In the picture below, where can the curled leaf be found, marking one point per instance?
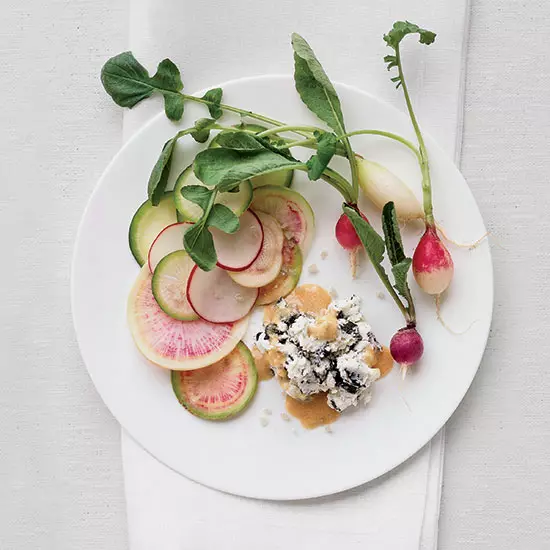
(201, 131)
(158, 180)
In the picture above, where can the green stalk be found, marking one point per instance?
(242, 112)
(423, 159)
(388, 135)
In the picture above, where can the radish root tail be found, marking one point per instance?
(471, 246)
(404, 371)
(444, 324)
(353, 262)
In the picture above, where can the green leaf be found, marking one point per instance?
(326, 148)
(199, 245)
(199, 194)
(223, 219)
(392, 235)
(158, 179)
(214, 96)
(370, 239)
(400, 272)
(223, 168)
(403, 28)
(128, 83)
(238, 141)
(201, 132)
(314, 86)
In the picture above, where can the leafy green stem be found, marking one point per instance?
(423, 153)
(388, 135)
(241, 112)
(289, 128)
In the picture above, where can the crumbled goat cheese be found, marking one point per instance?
(337, 367)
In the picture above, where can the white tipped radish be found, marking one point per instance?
(432, 265)
(216, 297)
(348, 239)
(381, 186)
(168, 240)
(267, 265)
(237, 251)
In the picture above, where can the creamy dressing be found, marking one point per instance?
(312, 409)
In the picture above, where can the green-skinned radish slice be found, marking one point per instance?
(217, 298)
(267, 265)
(220, 391)
(167, 241)
(287, 279)
(236, 251)
(188, 211)
(173, 344)
(291, 210)
(169, 285)
(147, 223)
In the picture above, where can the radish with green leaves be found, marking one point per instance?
(433, 266)
(406, 345)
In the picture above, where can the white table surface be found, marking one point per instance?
(60, 469)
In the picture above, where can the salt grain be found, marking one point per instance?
(267, 412)
(380, 295)
(285, 417)
(313, 268)
(264, 421)
(333, 293)
(328, 429)
(324, 255)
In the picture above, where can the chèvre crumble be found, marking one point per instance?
(333, 351)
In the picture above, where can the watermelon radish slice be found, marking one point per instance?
(290, 209)
(236, 251)
(217, 298)
(167, 241)
(172, 344)
(287, 279)
(220, 391)
(169, 285)
(147, 223)
(267, 265)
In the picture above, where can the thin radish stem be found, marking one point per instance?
(388, 135)
(424, 165)
(288, 128)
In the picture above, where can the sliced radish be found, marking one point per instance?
(172, 344)
(220, 391)
(169, 285)
(168, 240)
(290, 209)
(238, 250)
(217, 298)
(288, 277)
(267, 265)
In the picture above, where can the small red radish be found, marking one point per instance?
(432, 265)
(348, 239)
(406, 347)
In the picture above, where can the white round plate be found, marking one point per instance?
(283, 461)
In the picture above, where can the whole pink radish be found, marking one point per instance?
(432, 263)
(348, 239)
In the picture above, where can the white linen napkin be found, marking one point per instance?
(217, 40)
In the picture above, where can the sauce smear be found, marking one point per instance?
(312, 413)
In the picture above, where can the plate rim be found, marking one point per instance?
(433, 145)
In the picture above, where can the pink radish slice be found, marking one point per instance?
(173, 344)
(266, 266)
(238, 250)
(168, 240)
(217, 298)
